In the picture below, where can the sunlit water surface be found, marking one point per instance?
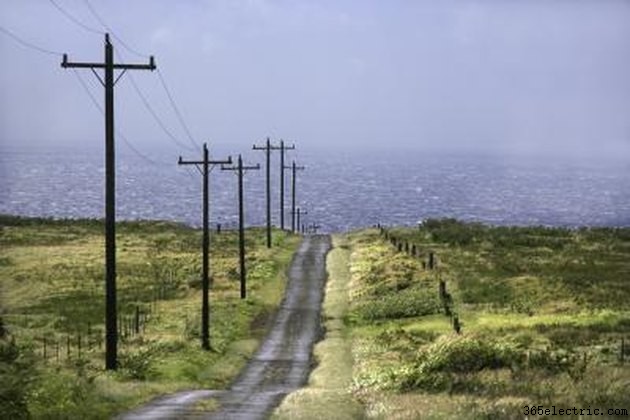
(339, 191)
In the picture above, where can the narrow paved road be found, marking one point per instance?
(282, 363)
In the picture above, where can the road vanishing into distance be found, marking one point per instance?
(282, 363)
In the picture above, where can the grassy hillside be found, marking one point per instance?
(541, 312)
(52, 309)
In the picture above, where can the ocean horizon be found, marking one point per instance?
(340, 191)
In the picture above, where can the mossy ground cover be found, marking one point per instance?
(542, 313)
(52, 303)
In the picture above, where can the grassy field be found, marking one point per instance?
(52, 308)
(541, 313)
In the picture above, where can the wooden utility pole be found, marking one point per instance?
(268, 147)
(300, 213)
(111, 336)
(282, 148)
(205, 277)
(294, 168)
(241, 219)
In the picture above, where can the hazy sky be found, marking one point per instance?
(518, 75)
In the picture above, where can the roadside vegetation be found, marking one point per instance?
(541, 314)
(52, 310)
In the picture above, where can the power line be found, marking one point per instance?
(190, 173)
(74, 19)
(109, 29)
(157, 119)
(121, 135)
(176, 109)
(28, 44)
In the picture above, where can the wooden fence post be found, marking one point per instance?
(442, 289)
(137, 320)
(456, 325)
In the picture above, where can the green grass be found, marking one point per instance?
(542, 314)
(51, 287)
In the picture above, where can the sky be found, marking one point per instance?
(478, 75)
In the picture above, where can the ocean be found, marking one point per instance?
(339, 191)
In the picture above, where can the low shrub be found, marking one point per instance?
(462, 354)
(16, 373)
(138, 364)
(404, 304)
(450, 355)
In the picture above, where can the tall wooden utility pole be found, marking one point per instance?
(205, 277)
(282, 148)
(293, 168)
(268, 147)
(241, 219)
(111, 336)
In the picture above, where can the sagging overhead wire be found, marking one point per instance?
(118, 132)
(176, 109)
(109, 29)
(28, 44)
(157, 119)
(74, 19)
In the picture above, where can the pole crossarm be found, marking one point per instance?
(297, 168)
(66, 64)
(227, 161)
(283, 148)
(244, 168)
